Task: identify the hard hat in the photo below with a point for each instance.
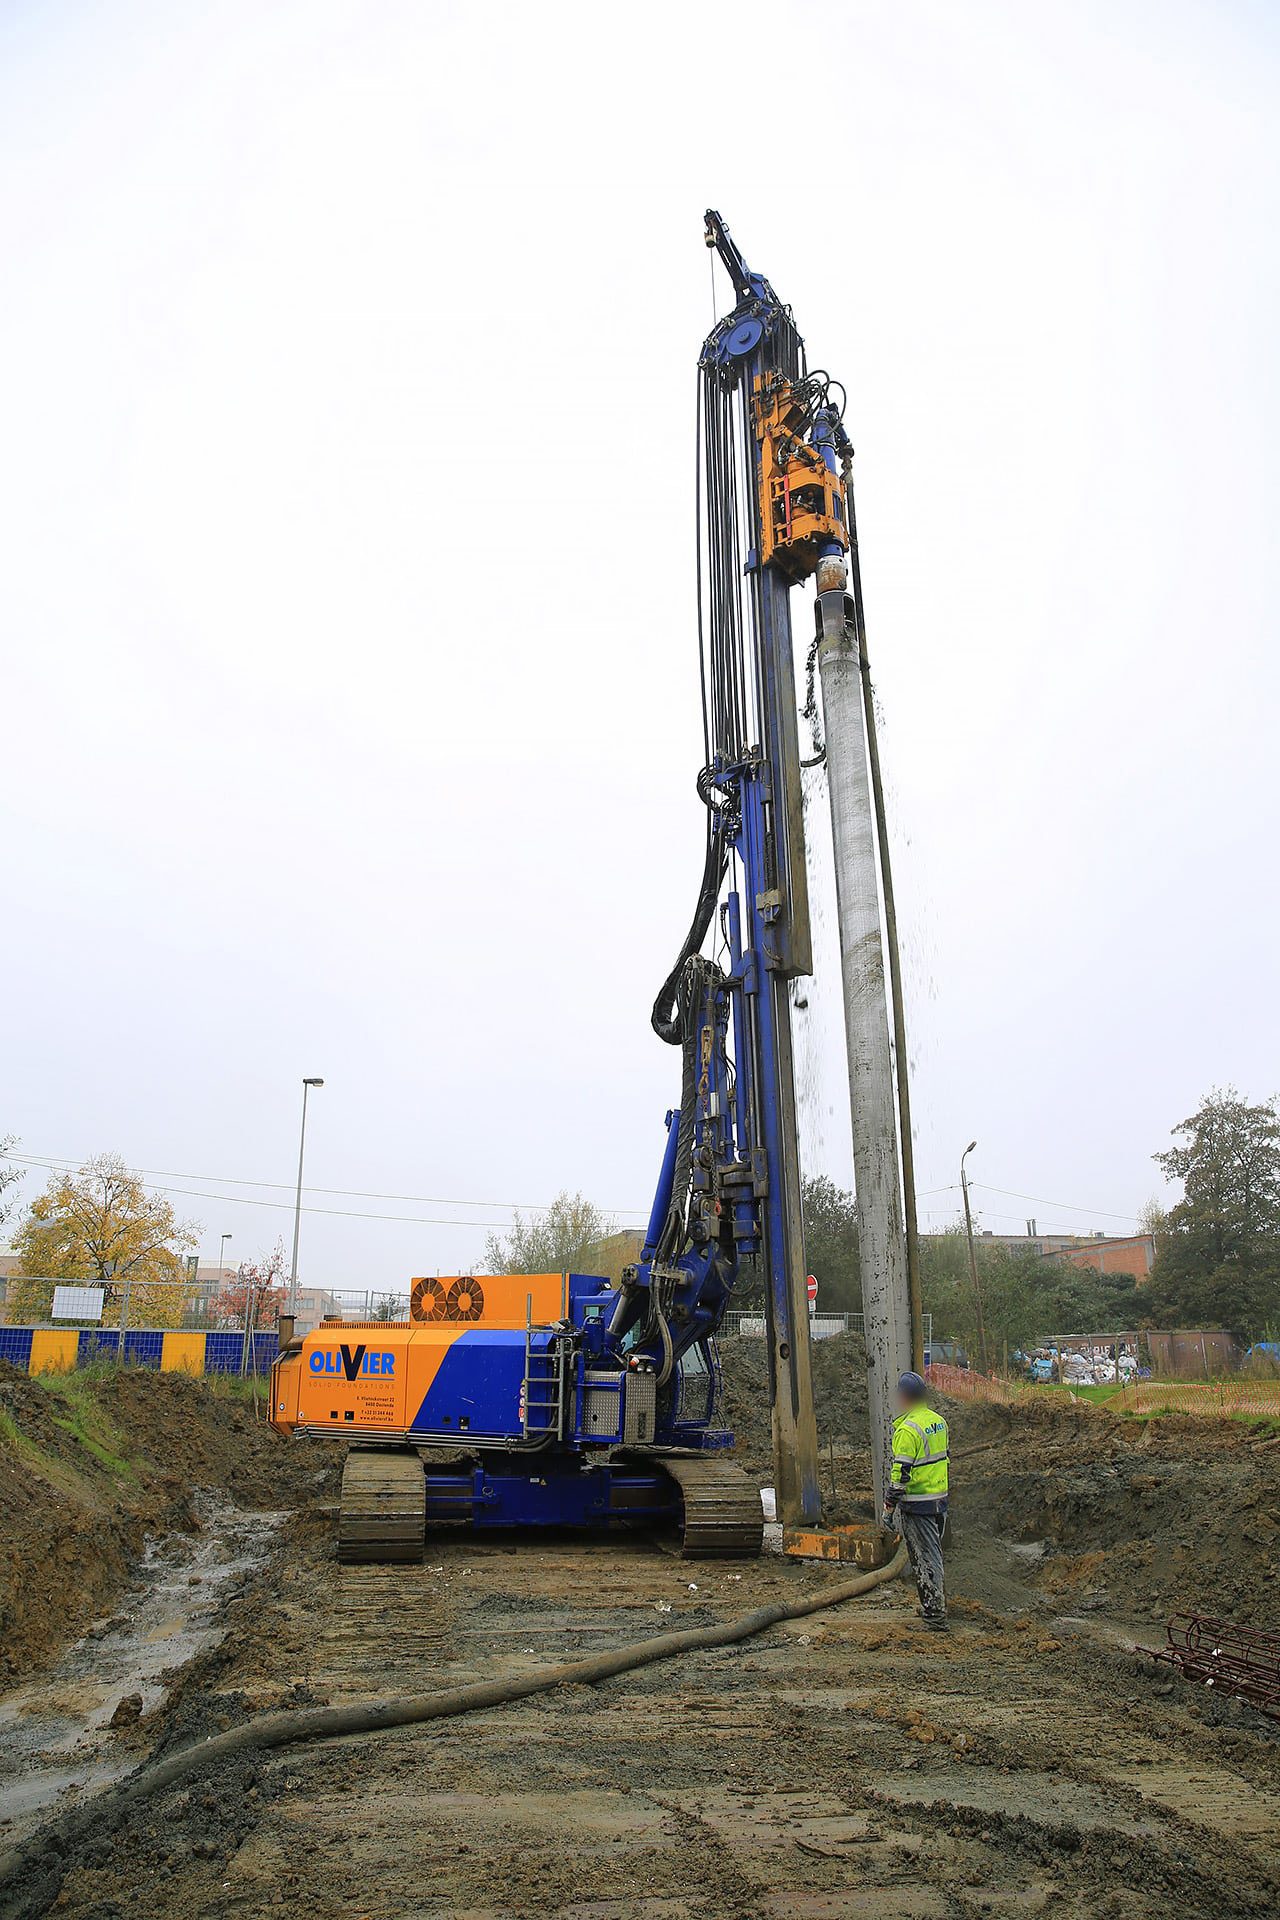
(912, 1386)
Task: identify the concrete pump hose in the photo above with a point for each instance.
(20, 1866)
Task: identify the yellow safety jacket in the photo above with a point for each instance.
(919, 1471)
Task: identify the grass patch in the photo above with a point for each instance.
(115, 1463)
(229, 1386)
(1258, 1423)
(1261, 1422)
(55, 1472)
(86, 1422)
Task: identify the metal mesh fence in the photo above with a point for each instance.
(822, 1326)
(165, 1306)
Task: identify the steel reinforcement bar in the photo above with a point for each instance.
(1241, 1661)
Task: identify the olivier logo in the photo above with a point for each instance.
(352, 1361)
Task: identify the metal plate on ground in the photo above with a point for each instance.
(865, 1545)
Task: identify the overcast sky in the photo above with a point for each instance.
(350, 713)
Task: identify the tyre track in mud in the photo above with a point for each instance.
(844, 1761)
(1028, 1763)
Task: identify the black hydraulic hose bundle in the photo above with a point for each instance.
(726, 519)
(733, 724)
(673, 1234)
(23, 1884)
(665, 1017)
(728, 533)
(699, 980)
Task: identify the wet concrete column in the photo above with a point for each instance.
(881, 1238)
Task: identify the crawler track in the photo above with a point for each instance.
(383, 1514)
(723, 1517)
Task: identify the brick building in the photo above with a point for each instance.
(1131, 1253)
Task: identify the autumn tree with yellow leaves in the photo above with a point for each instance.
(101, 1228)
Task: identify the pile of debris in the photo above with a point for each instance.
(1085, 1367)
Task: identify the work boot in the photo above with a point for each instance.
(934, 1623)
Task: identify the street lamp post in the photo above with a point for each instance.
(973, 1262)
(297, 1212)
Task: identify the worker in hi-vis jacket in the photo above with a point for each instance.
(915, 1500)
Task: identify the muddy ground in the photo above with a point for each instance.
(92, 1464)
(1028, 1763)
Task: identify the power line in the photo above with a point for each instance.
(1038, 1199)
(59, 1163)
(337, 1213)
(287, 1206)
(990, 1213)
(1068, 1206)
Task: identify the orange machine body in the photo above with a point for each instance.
(457, 1370)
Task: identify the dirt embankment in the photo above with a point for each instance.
(1117, 1515)
(839, 1396)
(1131, 1517)
(1026, 1763)
(93, 1462)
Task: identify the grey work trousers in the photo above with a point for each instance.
(923, 1534)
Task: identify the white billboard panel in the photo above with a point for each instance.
(78, 1303)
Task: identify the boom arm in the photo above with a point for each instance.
(746, 285)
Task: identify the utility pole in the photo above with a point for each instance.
(297, 1211)
(973, 1260)
(885, 1297)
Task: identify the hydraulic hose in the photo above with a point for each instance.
(25, 1868)
(665, 1018)
(668, 1350)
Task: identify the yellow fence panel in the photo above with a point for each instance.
(182, 1353)
(54, 1349)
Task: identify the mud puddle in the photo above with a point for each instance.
(56, 1736)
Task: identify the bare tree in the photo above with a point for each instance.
(566, 1239)
(1152, 1217)
(9, 1175)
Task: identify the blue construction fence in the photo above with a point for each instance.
(59, 1349)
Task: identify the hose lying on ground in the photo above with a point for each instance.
(328, 1723)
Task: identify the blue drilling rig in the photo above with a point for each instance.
(606, 1412)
